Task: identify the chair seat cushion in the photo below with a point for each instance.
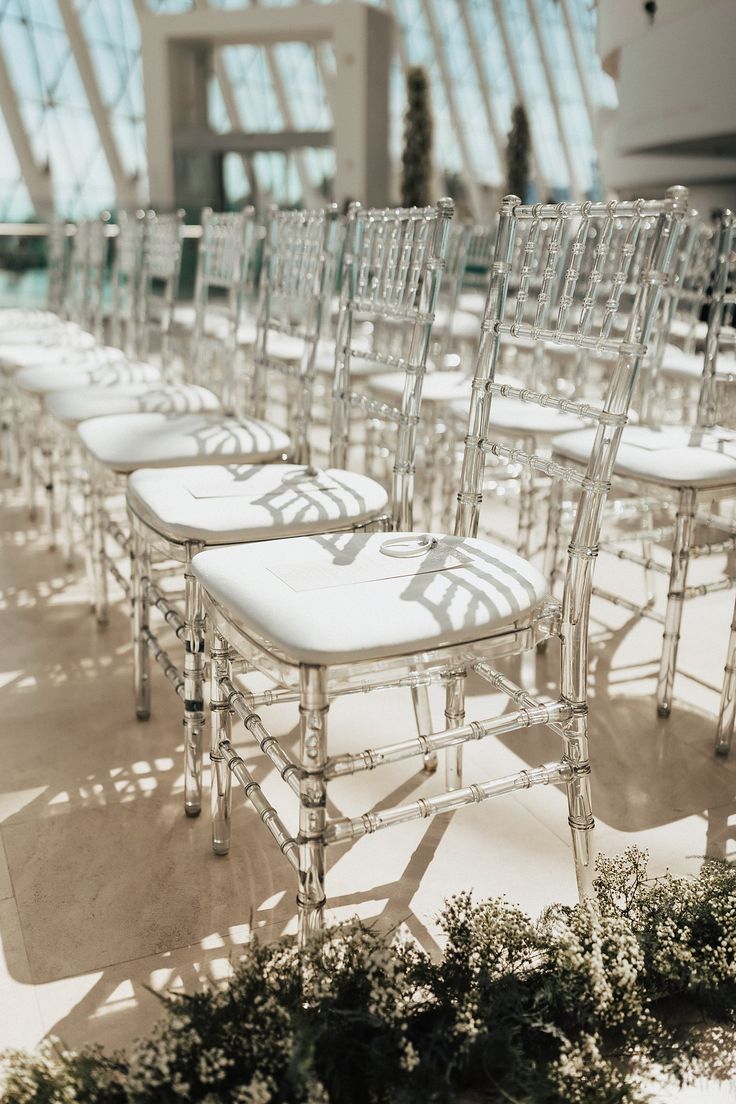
(224, 504)
(682, 329)
(442, 387)
(472, 301)
(675, 456)
(689, 366)
(338, 599)
(98, 372)
(124, 442)
(73, 405)
(463, 324)
(279, 346)
(525, 418)
(66, 348)
(360, 367)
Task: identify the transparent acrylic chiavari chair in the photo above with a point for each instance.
(32, 368)
(174, 513)
(127, 271)
(685, 469)
(324, 615)
(117, 445)
(181, 511)
(677, 369)
(21, 326)
(18, 324)
(156, 420)
(104, 379)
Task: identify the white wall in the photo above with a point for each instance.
(676, 82)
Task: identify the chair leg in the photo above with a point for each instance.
(49, 464)
(88, 539)
(139, 575)
(67, 504)
(579, 804)
(423, 717)
(675, 596)
(313, 709)
(455, 716)
(727, 708)
(99, 555)
(28, 476)
(220, 667)
(193, 689)
(573, 684)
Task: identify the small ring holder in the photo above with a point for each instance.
(405, 548)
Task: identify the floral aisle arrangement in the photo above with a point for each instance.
(581, 1006)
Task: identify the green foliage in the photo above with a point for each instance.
(416, 159)
(517, 155)
(574, 1008)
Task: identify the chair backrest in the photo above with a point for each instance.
(392, 267)
(640, 233)
(57, 264)
(159, 282)
(721, 319)
(225, 263)
(479, 250)
(127, 271)
(682, 300)
(85, 284)
(298, 270)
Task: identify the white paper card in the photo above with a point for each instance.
(258, 485)
(371, 567)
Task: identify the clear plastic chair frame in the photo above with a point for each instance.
(313, 686)
(692, 504)
(298, 270)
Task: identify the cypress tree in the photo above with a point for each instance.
(517, 154)
(416, 159)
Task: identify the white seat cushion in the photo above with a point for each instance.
(73, 405)
(472, 301)
(676, 362)
(111, 372)
(689, 366)
(452, 387)
(216, 323)
(672, 455)
(525, 418)
(184, 315)
(360, 368)
(464, 324)
(279, 346)
(224, 504)
(337, 599)
(18, 355)
(682, 329)
(124, 442)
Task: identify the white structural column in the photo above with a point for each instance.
(37, 179)
(471, 177)
(282, 99)
(580, 65)
(125, 187)
(494, 126)
(233, 114)
(572, 172)
(519, 92)
(172, 49)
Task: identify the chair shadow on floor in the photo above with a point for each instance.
(648, 771)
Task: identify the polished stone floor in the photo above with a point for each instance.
(109, 894)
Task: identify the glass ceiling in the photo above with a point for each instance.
(464, 45)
